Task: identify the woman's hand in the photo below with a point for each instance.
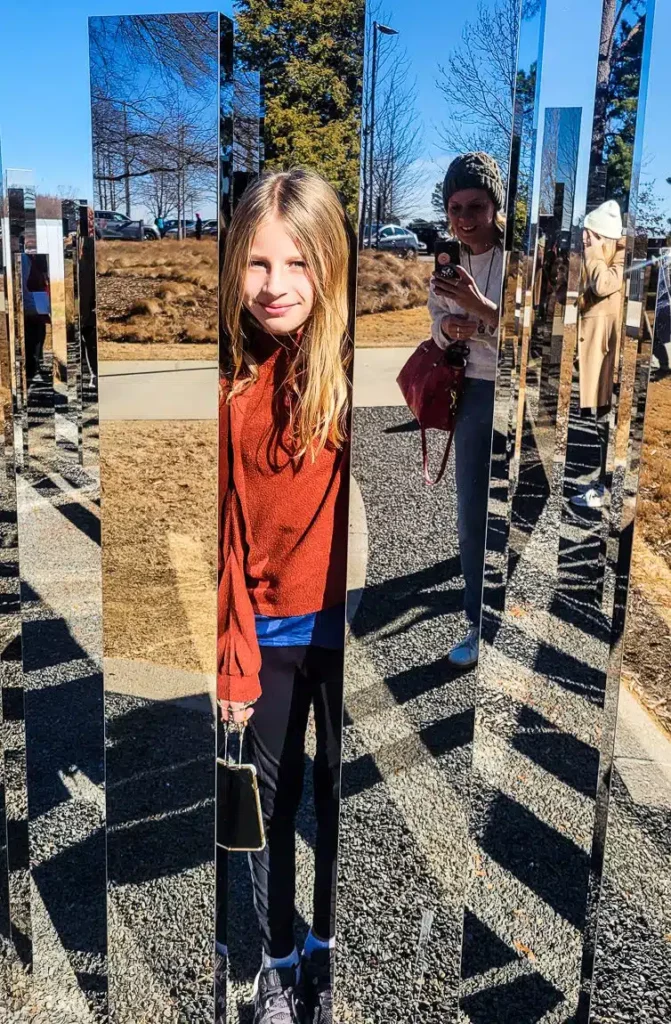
(464, 291)
(237, 712)
(457, 327)
(593, 243)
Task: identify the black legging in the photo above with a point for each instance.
(35, 335)
(601, 419)
(293, 679)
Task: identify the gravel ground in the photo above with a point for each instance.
(510, 843)
(432, 851)
(407, 751)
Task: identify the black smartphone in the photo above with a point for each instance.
(447, 255)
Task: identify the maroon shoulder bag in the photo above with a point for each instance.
(432, 383)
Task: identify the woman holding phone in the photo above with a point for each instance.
(284, 473)
(465, 309)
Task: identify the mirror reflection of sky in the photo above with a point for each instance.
(158, 105)
(47, 67)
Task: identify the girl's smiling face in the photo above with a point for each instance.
(277, 289)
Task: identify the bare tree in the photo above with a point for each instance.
(397, 145)
(478, 82)
(398, 131)
(155, 134)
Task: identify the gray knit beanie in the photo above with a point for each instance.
(474, 170)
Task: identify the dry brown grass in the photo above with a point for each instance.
(653, 518)
(386, 283)
(155, 294)
(159, 486)
(647, 654)
(110, 350)
(403, 328)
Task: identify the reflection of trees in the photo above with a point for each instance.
(154, 91)
(398, 131)
(311, 59)
(478, 82)
(491, 100)
(559, 157)
(616, 100)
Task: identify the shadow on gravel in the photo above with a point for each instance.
(430, 742)
(482, 950)
(563, 755)
(547, 862)
(525, 1000)
(384, 603)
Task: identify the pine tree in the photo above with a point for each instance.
(310, 56)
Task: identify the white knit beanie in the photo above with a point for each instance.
(606, 220)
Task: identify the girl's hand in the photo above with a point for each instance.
(464, 291)
(457, 328)
(235, 711)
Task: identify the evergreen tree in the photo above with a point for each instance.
(310, 56)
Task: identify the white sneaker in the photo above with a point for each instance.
(590, 498)
(466, 653)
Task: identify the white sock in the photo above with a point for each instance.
(312, 943)
(273, 962)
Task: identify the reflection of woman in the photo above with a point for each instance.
(598, 335)
(467, 310)
(284, 451)
(36, 310)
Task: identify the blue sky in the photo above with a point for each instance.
(44, 113)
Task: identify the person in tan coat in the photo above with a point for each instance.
(599, 325)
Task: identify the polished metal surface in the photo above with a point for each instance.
(264, 139)
(156, 79)
(16, 923)
(409, 712)
(505, 829)
(550, 667)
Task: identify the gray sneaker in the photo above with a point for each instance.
(275, 997)
(466, 653)
(316, 971)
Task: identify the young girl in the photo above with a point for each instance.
(466, 309)
(599, 326)
(284, 431)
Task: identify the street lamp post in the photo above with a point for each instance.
(386, 31)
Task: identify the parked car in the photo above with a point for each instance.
(392, 238)
(428, 233)
(210, 227)
(173, 232)
(111, 224)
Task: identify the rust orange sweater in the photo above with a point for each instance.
(283, 527)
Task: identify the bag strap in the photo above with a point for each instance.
(425, 459)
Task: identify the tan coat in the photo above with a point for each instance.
(599, 325)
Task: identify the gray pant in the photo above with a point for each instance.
(472, 452)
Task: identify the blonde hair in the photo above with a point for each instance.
(317, 378)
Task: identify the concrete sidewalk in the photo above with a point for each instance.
(187, 389)
(158, 390)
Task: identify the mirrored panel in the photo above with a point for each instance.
(14, 895)
(19, 231)
(634, 906)
(287, 304)
(155, 123)
(558, 532)
(435, 216)
(53, 714)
